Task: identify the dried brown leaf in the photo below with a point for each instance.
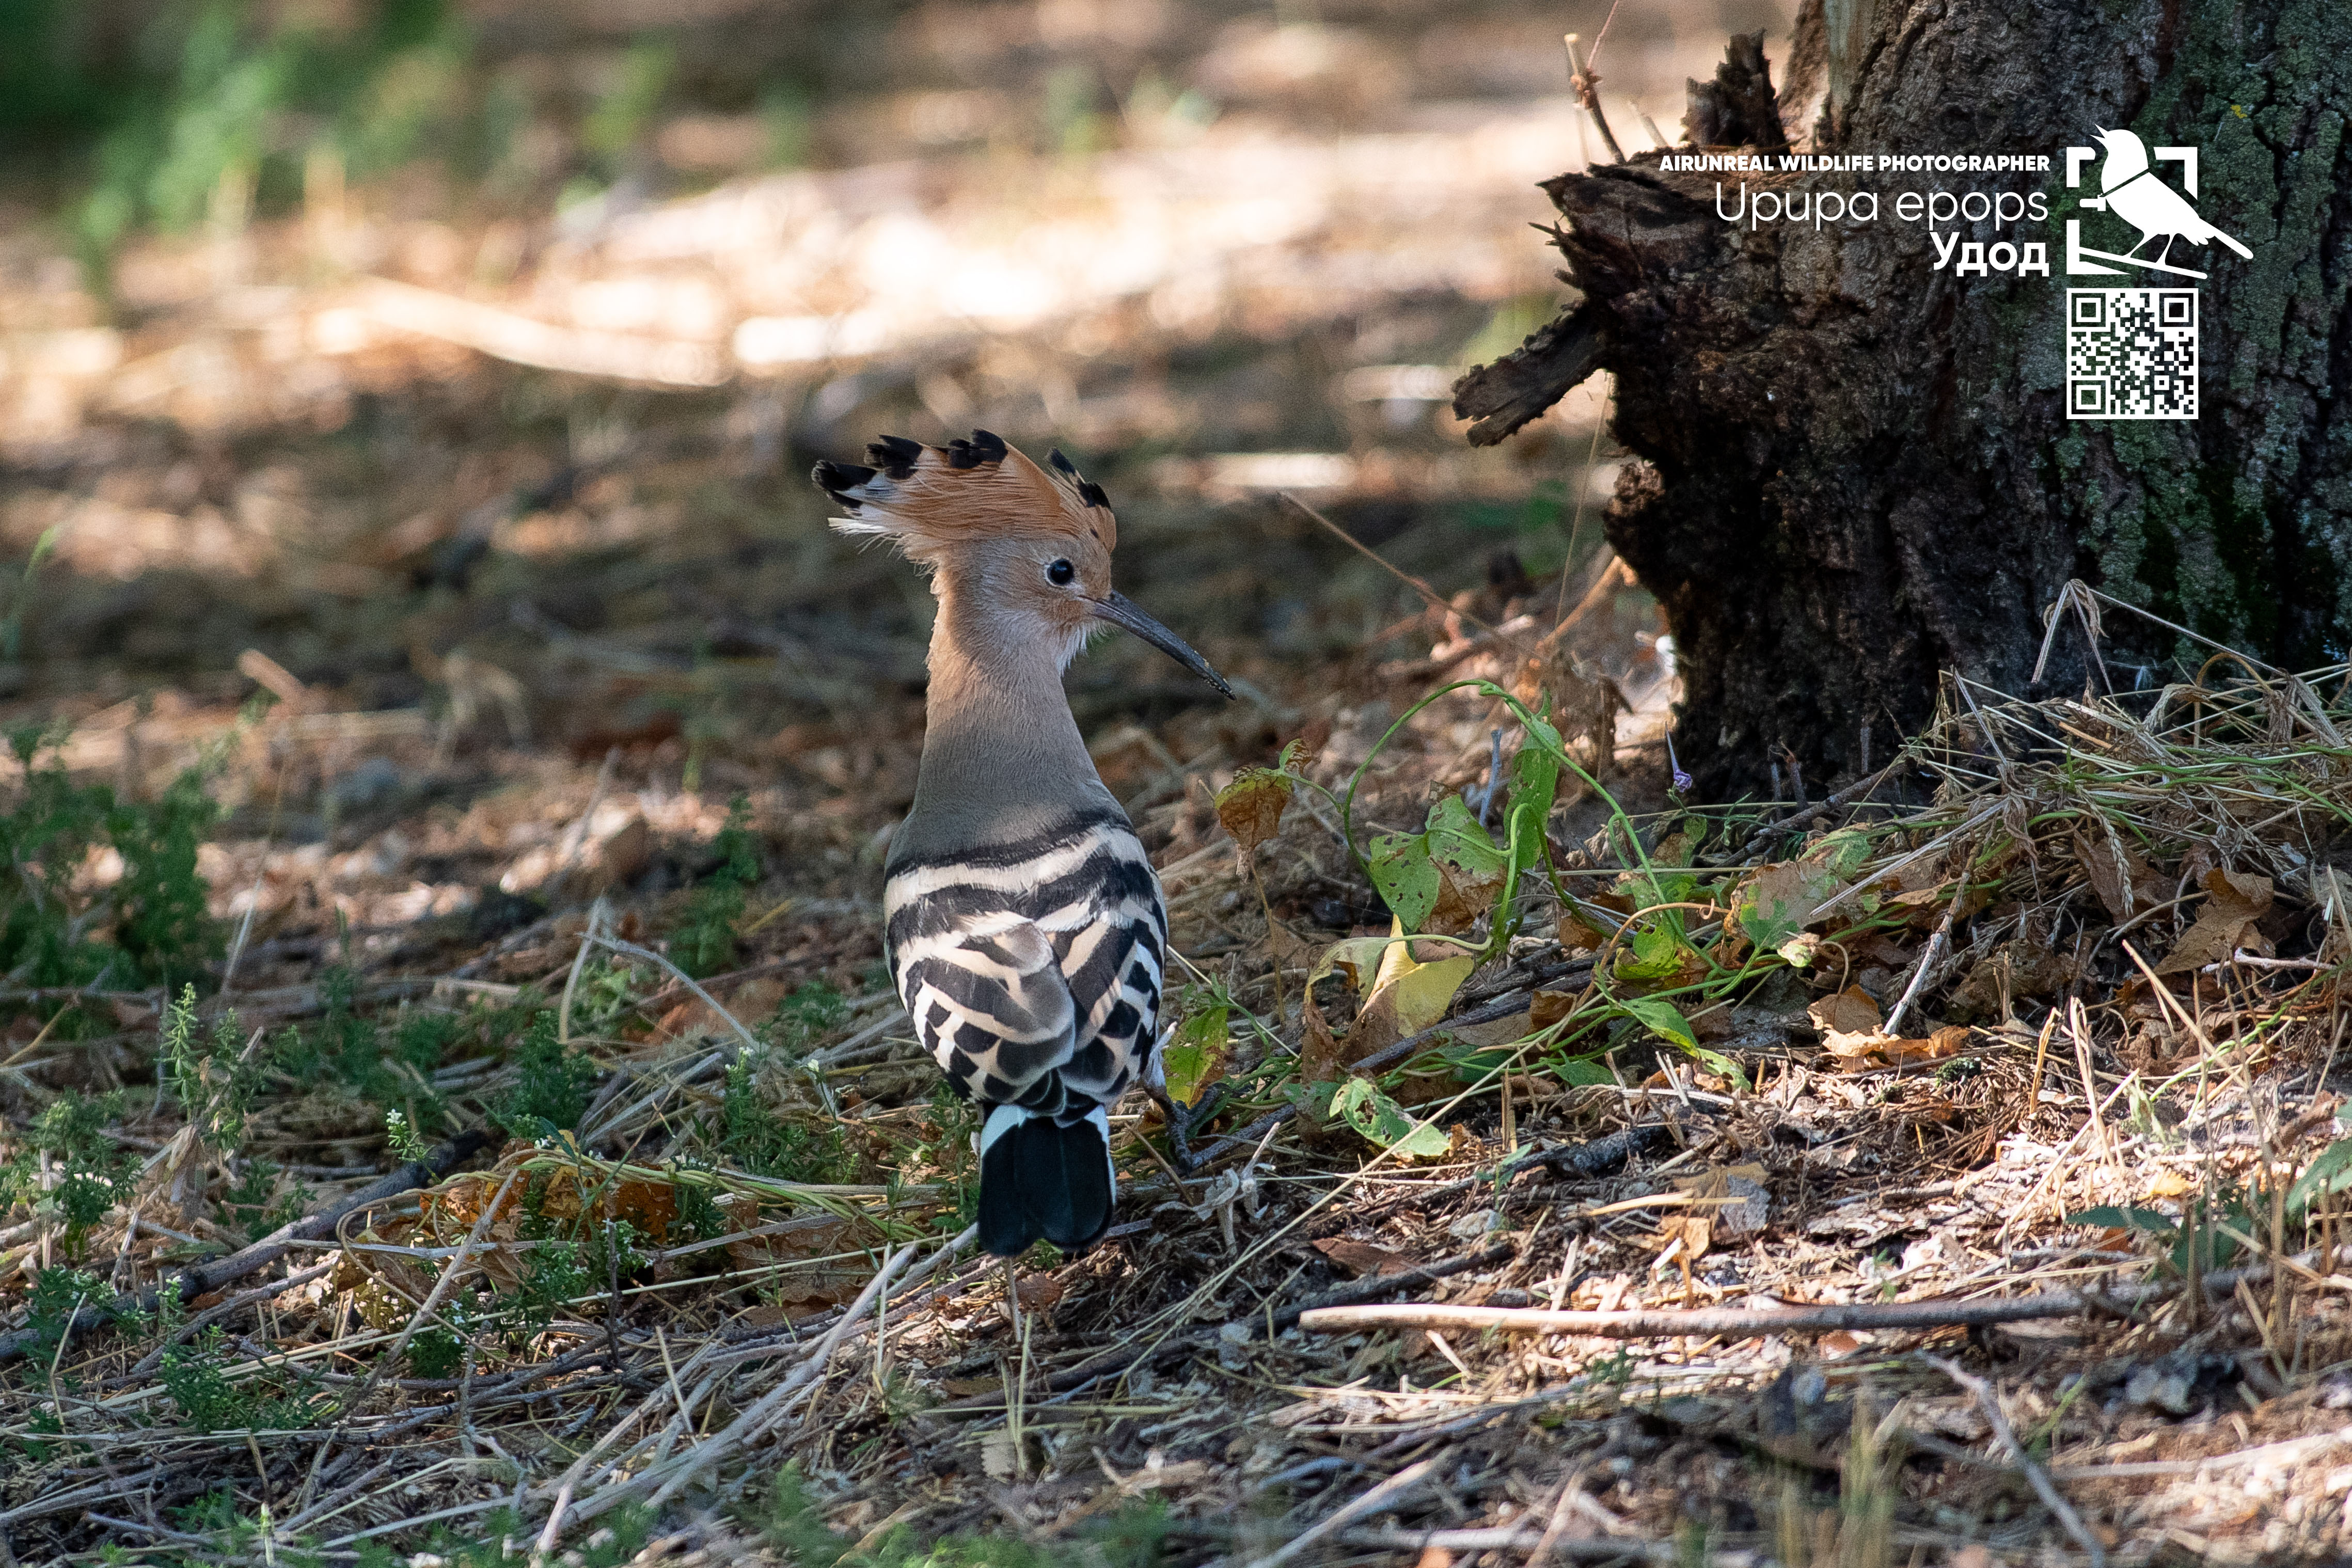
(1250, 806)
(2235, 902)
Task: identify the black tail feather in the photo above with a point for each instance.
(1041, 1179)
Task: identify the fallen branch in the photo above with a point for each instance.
(206, 1278)
(1745, 1323)
(1113, 1362)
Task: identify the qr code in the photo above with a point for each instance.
(2131, 353)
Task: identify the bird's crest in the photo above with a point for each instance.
(930, 499)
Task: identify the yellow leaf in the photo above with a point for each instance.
(1407, 996)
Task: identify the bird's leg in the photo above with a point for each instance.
(1179, 1147)
(2167, 250)
(1011, 1299)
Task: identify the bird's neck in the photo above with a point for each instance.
(1000, 749)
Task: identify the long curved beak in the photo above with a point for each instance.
(1120, 611)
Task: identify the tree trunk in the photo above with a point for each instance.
(1857, 470)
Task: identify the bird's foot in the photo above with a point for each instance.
(1179, 1148)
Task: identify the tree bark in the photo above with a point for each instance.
(1856, 470)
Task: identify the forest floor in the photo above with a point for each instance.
(542, 1165)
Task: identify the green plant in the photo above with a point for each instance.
(196, 1377)
(86, 1177)
(555, 1273)
(435, 1353)
(216, 1081)
(12, 625)
(400, 1137)
(2205, 1238)
(698, 1214)
(952, 1124)
(551, 1083)
(259, 1202)
(347, 1049)
(1133, 1537)
(620, 114)
(760, 1138)
(607, 993)
(220, 108)
(60, 927)
(50, 1308)
(704, 941)
(811, 1011)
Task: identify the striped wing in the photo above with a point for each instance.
(1033, 974)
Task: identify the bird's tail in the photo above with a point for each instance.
(2233, 243)
(1041, 1178)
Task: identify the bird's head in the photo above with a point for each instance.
(1030, 546)
(2127, 156)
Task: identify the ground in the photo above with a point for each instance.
(546, 746)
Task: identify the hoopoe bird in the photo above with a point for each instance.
(1026, 929)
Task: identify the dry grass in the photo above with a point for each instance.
(2125, 908)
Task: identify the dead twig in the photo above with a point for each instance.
(1745, 1323)
(1371, 1501)
(1436, 601)
(2060, 1508)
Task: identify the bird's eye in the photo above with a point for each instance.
(1060, 573)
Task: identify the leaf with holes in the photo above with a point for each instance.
(1362, 1106)
(1472, 869)
(1657, 953)
(1407, 880)
(1195, 1057)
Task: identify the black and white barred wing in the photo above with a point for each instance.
(1112, 957)
(980, 949)
(990, 1003)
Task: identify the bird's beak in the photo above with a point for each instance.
(1120, 611)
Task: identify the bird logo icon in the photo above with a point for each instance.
(2130, 189)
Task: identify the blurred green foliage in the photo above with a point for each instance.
(168, 112)
(63, 925)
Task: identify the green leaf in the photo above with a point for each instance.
(1767, 932)
(1843, 852)
(1456, 839)
(1361, 1104)
(1583, 1071)
(1662, 1017)
(2117, 1218)
(1675, 887)
(1195, 1057)
(1657, 955)
(1545, 735)
(1722, 1066)
(1404, 875)
(2331, 1171)
(1535, 786)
